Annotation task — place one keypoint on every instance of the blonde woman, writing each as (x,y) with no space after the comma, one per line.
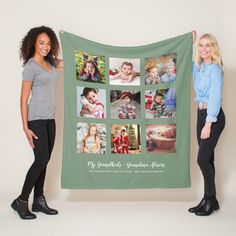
(208,83)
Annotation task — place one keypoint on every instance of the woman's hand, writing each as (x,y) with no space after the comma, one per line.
(206,131)
(30,136)
(194,36)
(59,64)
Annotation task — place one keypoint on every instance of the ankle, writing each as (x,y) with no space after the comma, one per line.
(210,197)
(39,196)
(23,199)
(212,200)
(20,205)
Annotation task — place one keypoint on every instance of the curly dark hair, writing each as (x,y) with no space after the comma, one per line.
(27,48)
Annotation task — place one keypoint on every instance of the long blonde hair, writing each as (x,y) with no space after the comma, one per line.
(216,56)
(89,134)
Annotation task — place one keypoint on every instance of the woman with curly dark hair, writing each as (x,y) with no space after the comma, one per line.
(39,51)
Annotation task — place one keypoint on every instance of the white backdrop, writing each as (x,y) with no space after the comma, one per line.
(124,23)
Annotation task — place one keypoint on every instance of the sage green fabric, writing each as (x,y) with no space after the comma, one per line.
(118,171)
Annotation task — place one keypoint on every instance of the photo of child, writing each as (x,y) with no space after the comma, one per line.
(160,103)
(92,141)
(161,138)
(91,102)
(91,138)
(170,73)
(124,71)
(161,69)
(90,68)
(152,73)
(125,139)
(125,104)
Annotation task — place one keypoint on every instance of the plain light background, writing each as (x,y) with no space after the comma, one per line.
(120,23)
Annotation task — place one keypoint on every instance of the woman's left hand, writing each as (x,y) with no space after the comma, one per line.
(194,36)
(206,131)
(59,64)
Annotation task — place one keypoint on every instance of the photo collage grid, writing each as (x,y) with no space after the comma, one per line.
(125,104)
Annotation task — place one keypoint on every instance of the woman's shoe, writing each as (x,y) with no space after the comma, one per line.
(22,209)
(40,204)
(208,208)
(198,207)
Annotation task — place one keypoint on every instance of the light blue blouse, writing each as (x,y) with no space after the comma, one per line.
(208,84)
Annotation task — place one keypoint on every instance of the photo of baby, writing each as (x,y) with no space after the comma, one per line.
(124,104)
(161,69)
(124,71)
(91,138)
(125,139)
(161,138)
(89,67)
(160,103)
(91,102)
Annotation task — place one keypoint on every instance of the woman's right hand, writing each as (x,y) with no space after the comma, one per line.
(30,136)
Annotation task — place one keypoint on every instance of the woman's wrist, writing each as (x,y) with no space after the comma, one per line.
(208,124)
(59,63)
(25,127)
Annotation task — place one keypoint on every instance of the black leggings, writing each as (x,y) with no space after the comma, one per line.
(206,149)
(45,131)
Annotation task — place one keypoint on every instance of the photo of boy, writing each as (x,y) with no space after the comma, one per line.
(125,104)
(121,142)
(91,102)
(161,138)
(152,73)
(89,67)
(161,69)
(125,139)
(160,103)
(124,71)
(91,138)
(158,106)
(170,73)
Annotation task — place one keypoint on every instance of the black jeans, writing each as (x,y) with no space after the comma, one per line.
(206,149)
(45,130)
